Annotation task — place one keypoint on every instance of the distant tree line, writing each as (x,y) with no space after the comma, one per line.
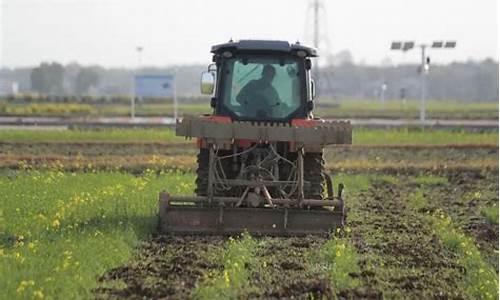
(339,80)
(50,79)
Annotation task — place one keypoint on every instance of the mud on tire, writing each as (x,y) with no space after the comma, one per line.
(314,166)
(203,160)
(202,172)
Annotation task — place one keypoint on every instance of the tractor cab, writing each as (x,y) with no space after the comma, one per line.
(253,80)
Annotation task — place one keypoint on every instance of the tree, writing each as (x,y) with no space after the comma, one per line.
(47,78)
(86,78)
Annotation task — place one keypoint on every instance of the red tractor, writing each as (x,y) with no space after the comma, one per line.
(260,163)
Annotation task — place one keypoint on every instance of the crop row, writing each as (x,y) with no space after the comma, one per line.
(119,106)
(138,164)
(361,136)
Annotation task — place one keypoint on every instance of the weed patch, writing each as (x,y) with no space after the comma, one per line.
(60,230)
(229,283)
(480,280)
(430,180)
(342,260)
(491,213)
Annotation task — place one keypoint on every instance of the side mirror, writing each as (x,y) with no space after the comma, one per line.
(308,64)
(207,83)
(313,89)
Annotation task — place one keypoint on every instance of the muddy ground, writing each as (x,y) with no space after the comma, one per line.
(399,255)
(137,157)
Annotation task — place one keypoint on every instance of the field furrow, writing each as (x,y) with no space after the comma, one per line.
(471,201)
(164,267)
(287,270)
(402,257)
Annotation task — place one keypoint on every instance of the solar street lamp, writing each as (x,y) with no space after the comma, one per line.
(424,63)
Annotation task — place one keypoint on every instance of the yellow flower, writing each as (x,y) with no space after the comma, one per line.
(38,294)
(20,288)
(65,264)
(56,223)
(23,285)
(31,246)
(226,277)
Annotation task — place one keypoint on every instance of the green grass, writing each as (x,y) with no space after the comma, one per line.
(405,136)
(232,281)
(341,258)
(491,213)
(430,180)
(361,136)
(48,109)
(411,109)
(418,201)
(104,135)
(480,279)
(388,179)
(59,231)
(347,109)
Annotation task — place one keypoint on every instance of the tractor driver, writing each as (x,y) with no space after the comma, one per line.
(259,97)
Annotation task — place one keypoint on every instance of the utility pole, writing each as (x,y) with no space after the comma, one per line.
(424,65)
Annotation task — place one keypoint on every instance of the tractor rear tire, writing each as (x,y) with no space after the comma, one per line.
(202,172)
(203,160)
(314,166)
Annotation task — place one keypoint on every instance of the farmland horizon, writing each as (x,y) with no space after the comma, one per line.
(384,63)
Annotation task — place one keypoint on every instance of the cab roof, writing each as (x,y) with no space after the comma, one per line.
(264,46)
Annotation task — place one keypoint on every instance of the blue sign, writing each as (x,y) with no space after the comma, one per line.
(154,86)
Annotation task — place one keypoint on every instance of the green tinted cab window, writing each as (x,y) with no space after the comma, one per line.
(250,92)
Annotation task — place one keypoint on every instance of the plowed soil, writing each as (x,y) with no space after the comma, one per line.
(165,267)
(400,257)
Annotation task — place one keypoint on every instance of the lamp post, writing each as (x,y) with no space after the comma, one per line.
(138,49)
(424,64)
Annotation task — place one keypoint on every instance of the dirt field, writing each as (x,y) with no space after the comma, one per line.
(422,224)
(136,157)
(400,255)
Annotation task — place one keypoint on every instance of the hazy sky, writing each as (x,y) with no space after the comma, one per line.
(107,32)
